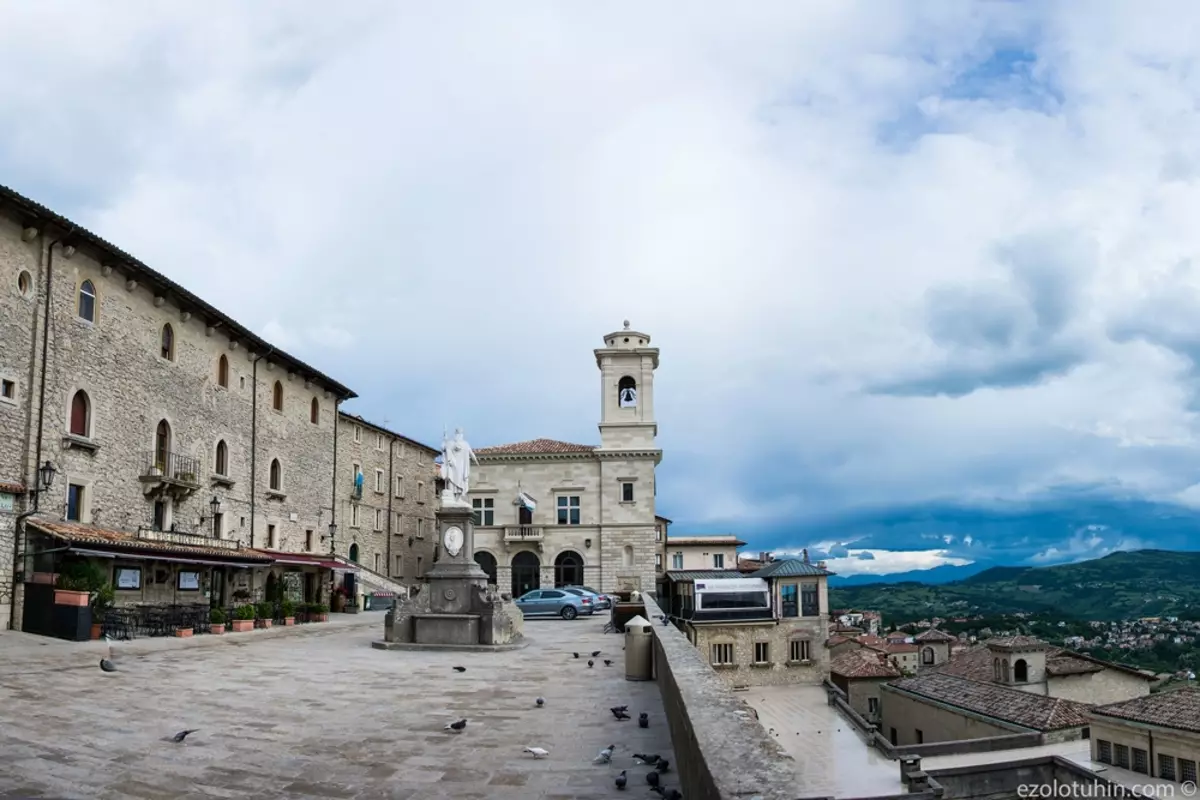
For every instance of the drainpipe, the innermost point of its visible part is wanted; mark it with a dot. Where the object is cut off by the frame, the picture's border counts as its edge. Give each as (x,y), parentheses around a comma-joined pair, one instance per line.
(37,460)
(391,492)
(337,423)
(254,441)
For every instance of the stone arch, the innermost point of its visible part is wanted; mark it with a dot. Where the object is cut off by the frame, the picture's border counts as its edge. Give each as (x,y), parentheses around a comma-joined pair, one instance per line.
(526,573)
(487,562)
(1020,671)
(927,656)
(627,392)
(568,569)
(354,552)
(996,670)
(627,556)
(1005,672)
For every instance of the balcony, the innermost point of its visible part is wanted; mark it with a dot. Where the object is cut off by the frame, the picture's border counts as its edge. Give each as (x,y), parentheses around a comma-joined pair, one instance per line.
(169,474)
(517,534)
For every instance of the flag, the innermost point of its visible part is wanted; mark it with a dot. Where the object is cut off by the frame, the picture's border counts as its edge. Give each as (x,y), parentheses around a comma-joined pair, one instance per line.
(526,501)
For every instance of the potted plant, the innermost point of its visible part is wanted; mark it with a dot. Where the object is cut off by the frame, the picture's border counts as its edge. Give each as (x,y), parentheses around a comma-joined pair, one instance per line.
(184,633)
(243,618)
(288,611)
(71,590)
(320,612)
(216,618)
(265,611)
(102,600)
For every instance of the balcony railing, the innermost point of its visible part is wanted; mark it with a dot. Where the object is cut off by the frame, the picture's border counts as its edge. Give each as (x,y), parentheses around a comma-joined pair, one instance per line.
(522,533)
(171,467)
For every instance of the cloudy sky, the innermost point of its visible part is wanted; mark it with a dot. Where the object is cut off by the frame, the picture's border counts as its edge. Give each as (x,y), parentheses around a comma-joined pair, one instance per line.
(924,275)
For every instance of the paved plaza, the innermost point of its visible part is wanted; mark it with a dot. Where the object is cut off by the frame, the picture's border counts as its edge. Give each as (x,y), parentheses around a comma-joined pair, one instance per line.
(322,714)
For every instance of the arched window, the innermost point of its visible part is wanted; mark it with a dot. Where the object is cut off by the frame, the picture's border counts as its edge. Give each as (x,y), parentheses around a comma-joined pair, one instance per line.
(627,392)
(1020,671)
(87,301)
(81,415)
(927,655)
(354,553)
(314,412)
(167,349)
(277,396)
(162,445)
(568,569)
(223,372)
(221,464)
(276,475)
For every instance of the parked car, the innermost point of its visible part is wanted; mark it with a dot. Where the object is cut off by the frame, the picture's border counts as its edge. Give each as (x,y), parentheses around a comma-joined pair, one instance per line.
(554,603)
(600,602)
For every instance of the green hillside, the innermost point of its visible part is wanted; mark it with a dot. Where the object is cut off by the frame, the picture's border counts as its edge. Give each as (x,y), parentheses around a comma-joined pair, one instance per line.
(1141,583)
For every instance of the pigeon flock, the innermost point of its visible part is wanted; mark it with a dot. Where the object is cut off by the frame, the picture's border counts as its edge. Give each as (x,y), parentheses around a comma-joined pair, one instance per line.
(109,664)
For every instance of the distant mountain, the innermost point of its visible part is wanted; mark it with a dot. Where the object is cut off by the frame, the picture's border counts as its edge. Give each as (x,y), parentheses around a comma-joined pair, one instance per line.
(943,574)
(1123,585)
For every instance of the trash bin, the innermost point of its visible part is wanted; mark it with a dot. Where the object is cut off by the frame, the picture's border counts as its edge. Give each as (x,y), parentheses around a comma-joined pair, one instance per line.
(639,640)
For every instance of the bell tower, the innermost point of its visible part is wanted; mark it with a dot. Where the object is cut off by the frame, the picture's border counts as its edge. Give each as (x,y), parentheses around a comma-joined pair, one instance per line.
(627,363)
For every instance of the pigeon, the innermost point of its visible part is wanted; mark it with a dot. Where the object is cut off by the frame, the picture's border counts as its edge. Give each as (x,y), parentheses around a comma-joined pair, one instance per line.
(666,622)
(541,701)
(605,755)
(663,765)
(607,662)
(460,669)
(575,654)
(179,737)
(591,663)
(652,778)
(537,752)
(673,794)
(643,720)
(651,759)
(595,653)
(619,712)
(621,780)
(107,665)
(457,727)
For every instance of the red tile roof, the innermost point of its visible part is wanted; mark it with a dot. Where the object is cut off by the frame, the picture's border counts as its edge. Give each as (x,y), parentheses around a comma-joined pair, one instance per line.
(12,487)
(861,663)
(999,702)
(1016,643)
(835,640)
(1179,709)
(535,447)
(128,542)
(975,663)
(934,635)
(900,647)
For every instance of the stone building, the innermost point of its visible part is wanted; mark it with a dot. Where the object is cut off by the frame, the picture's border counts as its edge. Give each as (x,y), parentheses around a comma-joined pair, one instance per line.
(552,513)
(386,502)
(935,647)
(1156,735)
(860,672)
(703,552)
(174,431)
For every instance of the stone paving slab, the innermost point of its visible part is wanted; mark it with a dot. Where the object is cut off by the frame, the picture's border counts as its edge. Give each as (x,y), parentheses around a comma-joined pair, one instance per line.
(329,717)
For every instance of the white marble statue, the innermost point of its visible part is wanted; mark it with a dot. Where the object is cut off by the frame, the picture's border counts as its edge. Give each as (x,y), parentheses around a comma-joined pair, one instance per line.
(457,456)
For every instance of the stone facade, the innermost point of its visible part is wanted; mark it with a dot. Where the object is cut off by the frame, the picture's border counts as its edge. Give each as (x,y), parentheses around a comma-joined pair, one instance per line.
(594,518)
(1158,735)
(388,527)
(702,552)
(783,639)
(150,400)
(908,720)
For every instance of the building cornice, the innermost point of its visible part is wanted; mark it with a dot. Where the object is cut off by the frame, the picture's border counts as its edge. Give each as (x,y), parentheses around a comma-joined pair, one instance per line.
(591,455)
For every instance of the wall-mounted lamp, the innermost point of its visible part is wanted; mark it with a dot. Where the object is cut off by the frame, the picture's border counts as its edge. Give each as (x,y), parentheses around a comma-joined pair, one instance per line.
(587,543)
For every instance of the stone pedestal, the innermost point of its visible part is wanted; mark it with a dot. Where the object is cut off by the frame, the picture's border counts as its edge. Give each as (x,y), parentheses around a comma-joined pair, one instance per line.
(455,576)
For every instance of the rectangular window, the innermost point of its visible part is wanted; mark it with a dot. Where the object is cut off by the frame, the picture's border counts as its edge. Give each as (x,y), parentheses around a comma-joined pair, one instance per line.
(873,706)
(419,570)
(485,512)
(1121,756)
(1166,767)
(8,389)
(378,520)
(920,735)
(400,487)
(1187,770)
(627,492)
(379,441)
(354,515)
(718,561)
(1141,761)
(420,528)
(809,603)
(218,525)
(357,433)
(1104,751)
(379,481)
(788,595)
(271,536)
(75,503)
(308,540)
(658,561)
(762,652)
(658,534)
(722,654)
(568,510)
(420,491)
(398,569)
(677,561)
(377,559)
(160,514)
(800,650)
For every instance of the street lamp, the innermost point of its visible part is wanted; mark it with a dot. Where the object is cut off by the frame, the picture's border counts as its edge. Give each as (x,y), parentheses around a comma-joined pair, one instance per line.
(332,558)
(215,505)
(47,473)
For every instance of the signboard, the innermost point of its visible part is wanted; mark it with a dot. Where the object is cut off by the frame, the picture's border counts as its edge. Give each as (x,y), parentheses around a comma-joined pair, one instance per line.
(7,501)
(189,581)
(129,578)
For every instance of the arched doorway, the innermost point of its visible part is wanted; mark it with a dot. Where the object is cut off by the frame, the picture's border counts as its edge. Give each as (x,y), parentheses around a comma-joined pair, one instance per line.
(526,573)
(487,562)
(354,552)
(568,569)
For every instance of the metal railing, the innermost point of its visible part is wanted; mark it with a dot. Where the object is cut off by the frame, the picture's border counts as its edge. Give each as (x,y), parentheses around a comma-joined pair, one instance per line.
(171,466)
(522,533)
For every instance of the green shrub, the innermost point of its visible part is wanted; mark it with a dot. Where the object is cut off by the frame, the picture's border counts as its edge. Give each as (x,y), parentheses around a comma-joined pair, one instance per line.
(244,612)
(217,616)
(288,608)
(320,608)
(266,610)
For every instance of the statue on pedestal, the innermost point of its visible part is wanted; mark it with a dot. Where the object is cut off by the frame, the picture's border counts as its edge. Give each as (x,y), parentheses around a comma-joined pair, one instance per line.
(457,456)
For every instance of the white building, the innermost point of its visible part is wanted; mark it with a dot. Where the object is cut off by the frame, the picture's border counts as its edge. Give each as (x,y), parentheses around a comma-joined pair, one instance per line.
(551,513)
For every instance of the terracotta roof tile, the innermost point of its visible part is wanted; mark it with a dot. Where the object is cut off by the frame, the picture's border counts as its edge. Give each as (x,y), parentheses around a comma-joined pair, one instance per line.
(1064,664)
(12,487)
(934,635)
(975,663)
(129,542)
(860,663)
(1179,709)
(900,647)
(535,447)
(999,702)
(834,641)
(1017,643)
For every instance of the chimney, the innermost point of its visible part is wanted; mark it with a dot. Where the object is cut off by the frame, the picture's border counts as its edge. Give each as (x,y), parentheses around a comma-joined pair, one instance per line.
(805,552)
(820,565)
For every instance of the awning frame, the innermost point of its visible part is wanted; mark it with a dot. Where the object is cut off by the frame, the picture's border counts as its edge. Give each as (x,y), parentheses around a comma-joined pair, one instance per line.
(173,559)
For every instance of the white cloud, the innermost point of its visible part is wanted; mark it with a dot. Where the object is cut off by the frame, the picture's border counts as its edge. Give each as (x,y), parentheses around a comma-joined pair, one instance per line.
(886,562)
(798,205)
(1087,543)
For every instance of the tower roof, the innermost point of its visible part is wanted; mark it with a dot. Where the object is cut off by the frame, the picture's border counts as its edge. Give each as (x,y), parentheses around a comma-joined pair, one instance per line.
(628,340)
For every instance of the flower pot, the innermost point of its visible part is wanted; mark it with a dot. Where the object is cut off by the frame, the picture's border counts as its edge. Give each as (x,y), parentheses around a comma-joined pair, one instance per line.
(69,597)
(339,603)
(183,633)
(218,629)
(243,625)
(289,620)
(97,630)
(266,623)
(322,618)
